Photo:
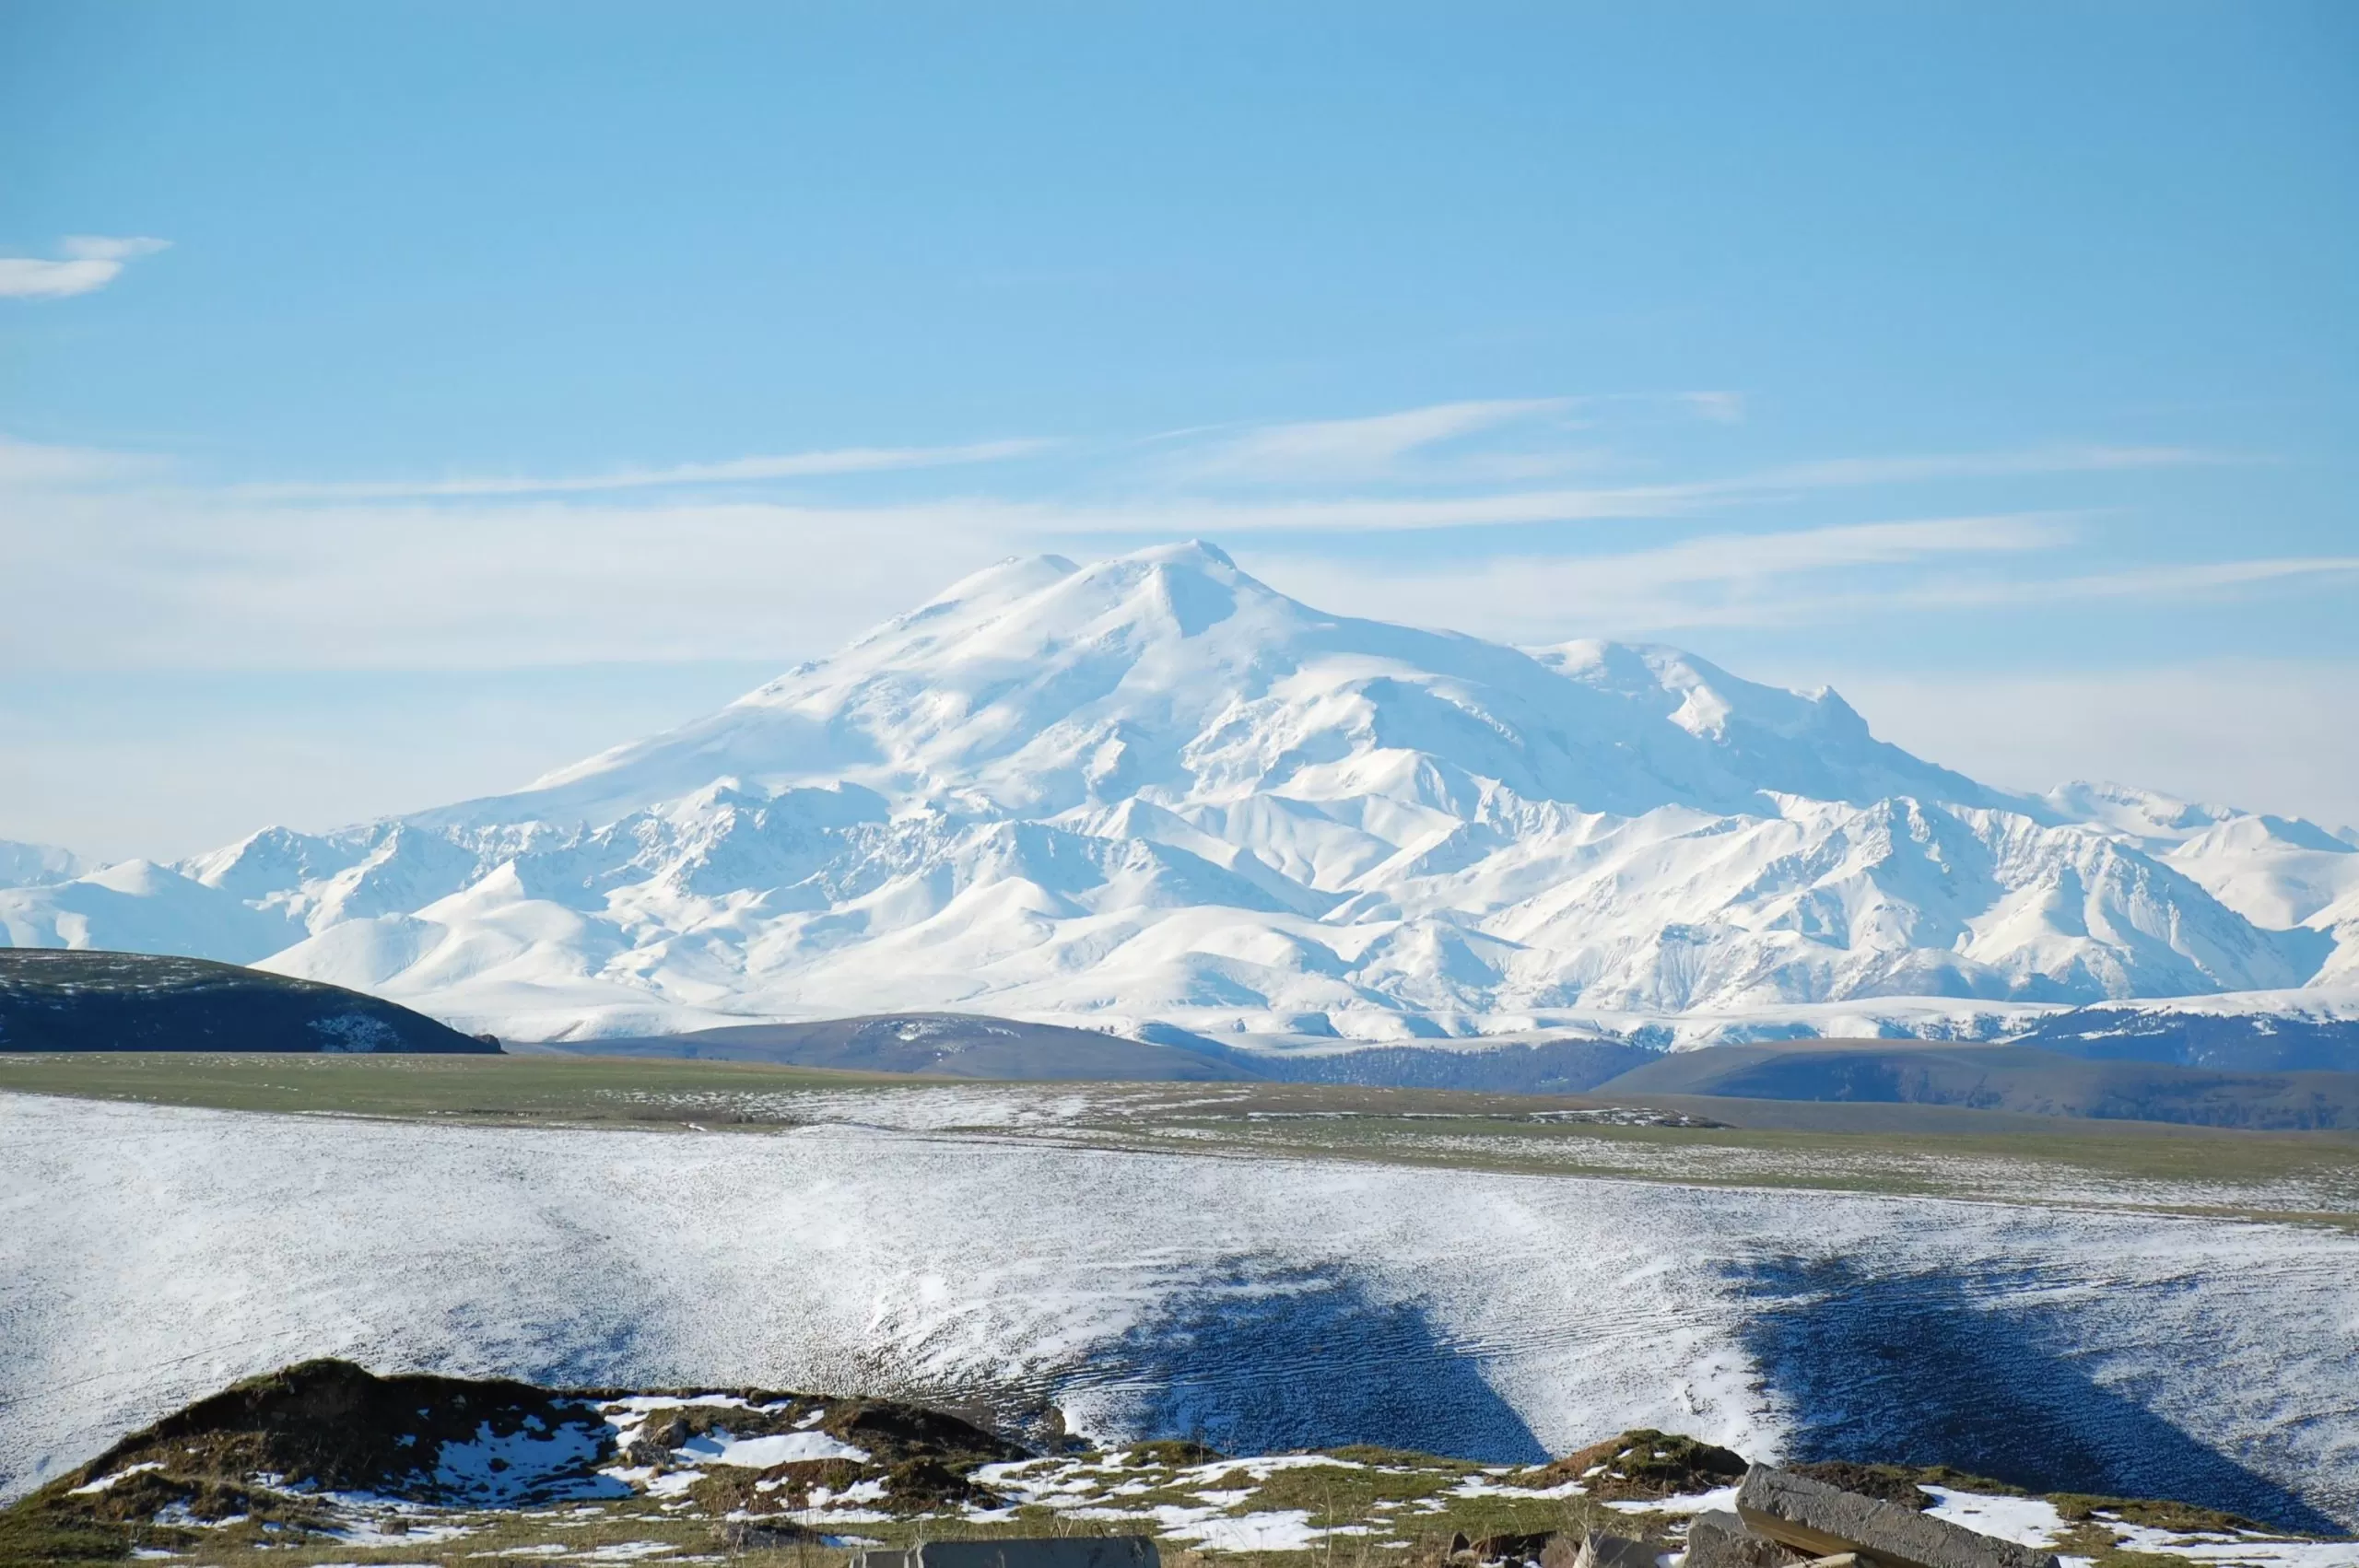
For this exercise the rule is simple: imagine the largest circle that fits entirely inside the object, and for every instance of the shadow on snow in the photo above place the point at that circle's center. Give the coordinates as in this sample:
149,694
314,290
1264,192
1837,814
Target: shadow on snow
1919,1370
1258,1364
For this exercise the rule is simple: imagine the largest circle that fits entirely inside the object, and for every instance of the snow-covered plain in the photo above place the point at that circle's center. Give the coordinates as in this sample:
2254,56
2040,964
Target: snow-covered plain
147,1255
1154,788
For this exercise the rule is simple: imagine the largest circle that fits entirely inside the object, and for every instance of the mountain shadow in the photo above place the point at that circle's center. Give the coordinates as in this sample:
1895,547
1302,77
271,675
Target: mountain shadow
1260,1365
1552,1066
1912,1371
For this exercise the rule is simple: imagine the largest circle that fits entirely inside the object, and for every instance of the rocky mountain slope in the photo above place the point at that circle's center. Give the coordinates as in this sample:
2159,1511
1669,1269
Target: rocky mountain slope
1155,789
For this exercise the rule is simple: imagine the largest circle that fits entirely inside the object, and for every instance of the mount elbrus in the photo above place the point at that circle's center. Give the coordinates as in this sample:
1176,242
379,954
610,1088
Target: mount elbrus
1157,788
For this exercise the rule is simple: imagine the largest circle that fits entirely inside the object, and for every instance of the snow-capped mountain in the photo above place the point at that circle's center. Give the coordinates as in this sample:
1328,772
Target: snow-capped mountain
1155,787
36,865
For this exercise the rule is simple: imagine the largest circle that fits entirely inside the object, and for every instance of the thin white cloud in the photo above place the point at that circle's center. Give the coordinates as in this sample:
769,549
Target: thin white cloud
1359,449
1716,578
86,262
551,582
1719,407
744,470
2175,580
634,564
1755,557
1767,580
1377,514
1492,490
30,465
103,248
141,579
1853,470
1380,514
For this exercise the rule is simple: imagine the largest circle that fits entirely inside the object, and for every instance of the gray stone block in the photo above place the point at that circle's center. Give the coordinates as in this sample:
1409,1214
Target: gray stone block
1718,1539
1040,1551
1599,1549
1825,1521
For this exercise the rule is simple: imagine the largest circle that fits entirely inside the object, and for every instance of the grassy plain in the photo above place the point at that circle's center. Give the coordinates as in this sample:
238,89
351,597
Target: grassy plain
1894,1148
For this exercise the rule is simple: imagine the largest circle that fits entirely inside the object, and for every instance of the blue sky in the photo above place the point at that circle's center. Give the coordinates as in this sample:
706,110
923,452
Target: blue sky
397,401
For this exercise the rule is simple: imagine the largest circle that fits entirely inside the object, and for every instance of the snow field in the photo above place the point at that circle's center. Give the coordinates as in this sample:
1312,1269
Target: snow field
149,1255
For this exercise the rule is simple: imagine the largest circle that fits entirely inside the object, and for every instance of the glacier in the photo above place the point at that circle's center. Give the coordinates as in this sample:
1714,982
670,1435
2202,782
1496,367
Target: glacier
1154,789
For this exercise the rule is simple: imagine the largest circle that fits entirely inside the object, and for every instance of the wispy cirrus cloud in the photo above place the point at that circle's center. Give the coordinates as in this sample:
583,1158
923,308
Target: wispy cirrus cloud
1828,472
1706,579
1779,579
84,262
736,471
31,464
1370,448
618,564
1719,407
554,581
1479,440
1378,510
1184,517
2176,579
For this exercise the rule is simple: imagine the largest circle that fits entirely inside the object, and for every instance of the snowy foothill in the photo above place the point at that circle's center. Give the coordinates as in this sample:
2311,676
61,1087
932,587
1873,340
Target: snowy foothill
149,1255
1153,787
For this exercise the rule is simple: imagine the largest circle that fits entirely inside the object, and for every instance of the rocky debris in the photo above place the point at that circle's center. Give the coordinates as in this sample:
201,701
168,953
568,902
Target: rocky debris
1717,1538
1643,1465
743,1535
1825,1521
1510,1547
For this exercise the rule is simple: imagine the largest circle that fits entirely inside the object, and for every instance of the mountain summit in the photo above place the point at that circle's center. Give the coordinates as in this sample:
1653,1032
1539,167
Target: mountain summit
1037,686
1154,787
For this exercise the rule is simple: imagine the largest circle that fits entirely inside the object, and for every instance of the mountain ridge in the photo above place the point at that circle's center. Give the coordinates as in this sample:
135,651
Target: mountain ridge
1155,787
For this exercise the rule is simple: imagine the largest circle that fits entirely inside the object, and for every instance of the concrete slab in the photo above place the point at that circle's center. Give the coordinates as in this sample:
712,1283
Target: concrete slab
1825,1521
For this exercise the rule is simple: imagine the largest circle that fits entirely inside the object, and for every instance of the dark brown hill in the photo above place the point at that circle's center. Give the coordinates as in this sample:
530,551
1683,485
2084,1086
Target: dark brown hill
2000,1078
61,1001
